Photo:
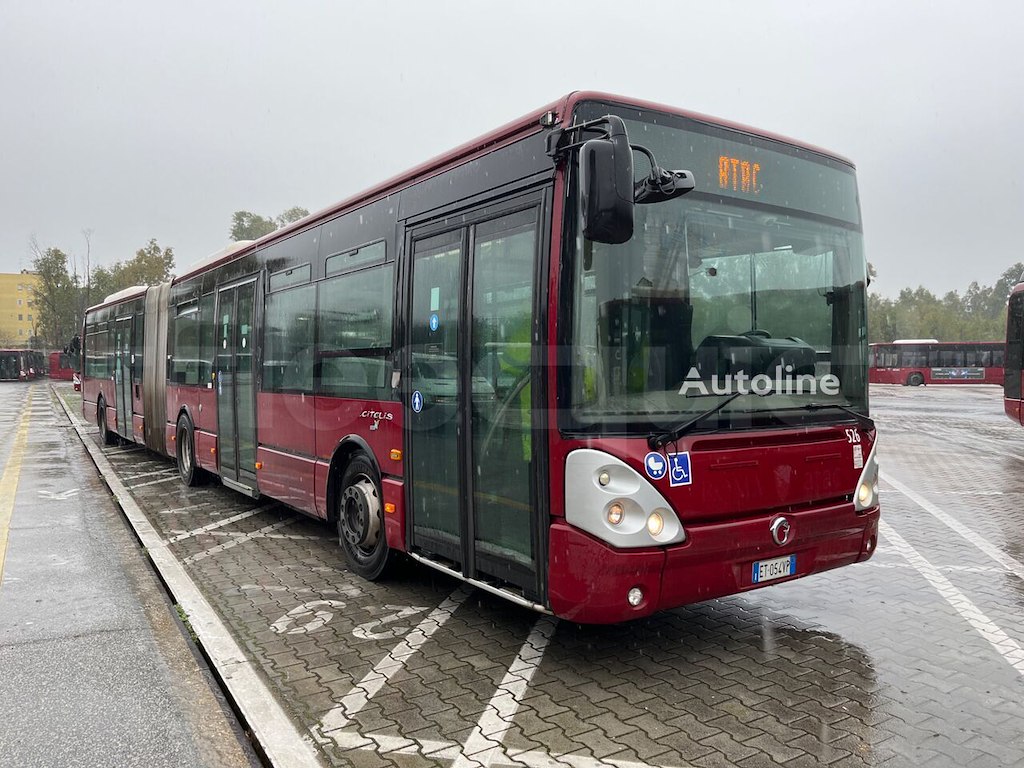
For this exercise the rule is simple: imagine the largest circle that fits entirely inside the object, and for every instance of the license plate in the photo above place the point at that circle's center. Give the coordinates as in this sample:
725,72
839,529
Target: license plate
776,568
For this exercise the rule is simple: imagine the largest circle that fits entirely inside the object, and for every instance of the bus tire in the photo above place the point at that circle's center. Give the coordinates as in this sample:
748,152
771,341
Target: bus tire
188,470
359,517
106,436
915,379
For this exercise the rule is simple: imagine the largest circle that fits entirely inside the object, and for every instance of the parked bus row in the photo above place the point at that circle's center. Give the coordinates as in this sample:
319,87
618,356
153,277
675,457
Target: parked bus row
28,364
541,363
22,364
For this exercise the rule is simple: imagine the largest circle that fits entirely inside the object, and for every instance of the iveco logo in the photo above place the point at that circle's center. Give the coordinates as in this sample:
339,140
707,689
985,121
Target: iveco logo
780,530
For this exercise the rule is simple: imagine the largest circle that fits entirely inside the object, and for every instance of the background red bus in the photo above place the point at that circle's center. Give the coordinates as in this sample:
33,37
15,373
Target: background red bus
62,366
1012,373
926,361
501,366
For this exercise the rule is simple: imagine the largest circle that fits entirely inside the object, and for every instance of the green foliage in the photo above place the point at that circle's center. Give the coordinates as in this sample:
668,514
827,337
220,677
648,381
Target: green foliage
291,215
56,298
151,265
250,226
978,315
246,225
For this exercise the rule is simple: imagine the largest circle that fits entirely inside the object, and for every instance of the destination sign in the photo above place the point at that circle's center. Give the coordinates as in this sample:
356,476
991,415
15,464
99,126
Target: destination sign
738,175
738,165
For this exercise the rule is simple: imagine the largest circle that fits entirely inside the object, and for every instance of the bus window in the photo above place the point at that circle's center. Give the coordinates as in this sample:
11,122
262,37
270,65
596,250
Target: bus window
355,333
288,340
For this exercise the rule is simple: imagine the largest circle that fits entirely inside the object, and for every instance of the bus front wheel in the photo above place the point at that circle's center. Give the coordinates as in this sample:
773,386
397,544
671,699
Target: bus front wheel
359,516
189,472
915,379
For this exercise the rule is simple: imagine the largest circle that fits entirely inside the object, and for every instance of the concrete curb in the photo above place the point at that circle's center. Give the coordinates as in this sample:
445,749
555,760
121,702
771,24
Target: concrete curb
283,744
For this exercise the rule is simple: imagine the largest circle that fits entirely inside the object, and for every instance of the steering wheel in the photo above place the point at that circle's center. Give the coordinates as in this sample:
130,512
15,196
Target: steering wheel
758,332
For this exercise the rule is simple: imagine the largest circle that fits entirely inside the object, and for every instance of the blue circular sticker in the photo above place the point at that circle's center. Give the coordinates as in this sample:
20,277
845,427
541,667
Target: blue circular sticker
435,322
417,401
655,465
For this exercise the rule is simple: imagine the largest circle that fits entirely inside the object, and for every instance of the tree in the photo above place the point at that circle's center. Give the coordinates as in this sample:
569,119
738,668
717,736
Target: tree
291,215
151,265
56,297
250,226
246,225
979,314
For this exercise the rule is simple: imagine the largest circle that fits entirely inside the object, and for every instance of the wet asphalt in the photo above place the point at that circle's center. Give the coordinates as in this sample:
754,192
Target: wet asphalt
95,670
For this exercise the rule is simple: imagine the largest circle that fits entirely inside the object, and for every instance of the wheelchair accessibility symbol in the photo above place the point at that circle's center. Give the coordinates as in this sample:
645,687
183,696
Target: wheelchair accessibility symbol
679,469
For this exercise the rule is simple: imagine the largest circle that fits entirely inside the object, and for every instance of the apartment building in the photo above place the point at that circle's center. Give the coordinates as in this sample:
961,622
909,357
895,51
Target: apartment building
17,308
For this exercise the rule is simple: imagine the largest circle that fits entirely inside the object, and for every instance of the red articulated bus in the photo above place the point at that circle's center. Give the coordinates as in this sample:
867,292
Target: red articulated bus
542,363
913,362
14,365
1012,401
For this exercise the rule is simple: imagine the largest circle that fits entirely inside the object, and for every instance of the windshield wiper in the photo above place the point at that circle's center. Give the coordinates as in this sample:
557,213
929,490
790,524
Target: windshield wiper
864,421
664,438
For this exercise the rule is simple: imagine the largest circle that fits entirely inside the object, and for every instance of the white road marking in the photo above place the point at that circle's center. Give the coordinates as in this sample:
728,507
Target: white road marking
59,495
483,746
152,482
315,611
990,549
183,510
116,451
361,693
168,472
213,526
282,536
948,568
366,631
973,493
1003,644
346,590
236,541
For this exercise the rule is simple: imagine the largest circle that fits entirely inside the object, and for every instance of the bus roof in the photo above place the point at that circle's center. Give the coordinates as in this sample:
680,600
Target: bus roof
122,295
514,130
929,341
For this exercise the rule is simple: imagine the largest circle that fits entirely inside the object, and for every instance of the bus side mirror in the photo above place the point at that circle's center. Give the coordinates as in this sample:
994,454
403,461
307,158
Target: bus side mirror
606,186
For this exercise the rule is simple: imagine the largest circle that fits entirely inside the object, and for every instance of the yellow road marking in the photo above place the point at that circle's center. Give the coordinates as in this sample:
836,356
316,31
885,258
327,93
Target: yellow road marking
9,481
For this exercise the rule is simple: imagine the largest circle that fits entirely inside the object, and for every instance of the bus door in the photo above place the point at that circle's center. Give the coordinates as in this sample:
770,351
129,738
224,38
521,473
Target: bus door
474,481
123,375
236,407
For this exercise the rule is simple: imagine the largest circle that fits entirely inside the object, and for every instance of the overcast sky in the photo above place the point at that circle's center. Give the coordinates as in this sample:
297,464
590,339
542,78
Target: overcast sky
141,120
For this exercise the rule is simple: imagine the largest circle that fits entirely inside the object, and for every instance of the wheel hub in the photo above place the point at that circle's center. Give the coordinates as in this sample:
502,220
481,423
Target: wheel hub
359,521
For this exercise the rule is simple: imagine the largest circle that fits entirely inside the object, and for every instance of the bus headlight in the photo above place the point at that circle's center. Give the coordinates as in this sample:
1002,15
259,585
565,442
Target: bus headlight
608,499
866,495
615,513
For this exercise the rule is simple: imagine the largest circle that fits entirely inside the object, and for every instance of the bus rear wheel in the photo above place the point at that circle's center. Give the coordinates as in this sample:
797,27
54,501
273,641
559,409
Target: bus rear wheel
915,379
359,516
189,472
108,437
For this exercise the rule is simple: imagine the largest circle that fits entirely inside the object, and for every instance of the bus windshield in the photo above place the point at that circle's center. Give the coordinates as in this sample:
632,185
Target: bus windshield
719,292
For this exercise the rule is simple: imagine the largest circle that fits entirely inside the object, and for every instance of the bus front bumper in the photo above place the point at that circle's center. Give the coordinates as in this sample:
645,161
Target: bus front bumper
590,581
